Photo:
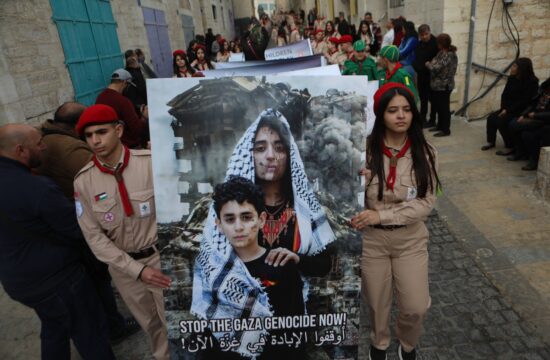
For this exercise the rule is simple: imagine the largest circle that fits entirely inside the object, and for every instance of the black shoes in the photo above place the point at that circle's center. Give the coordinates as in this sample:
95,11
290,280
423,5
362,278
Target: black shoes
505,152
442,133
516,157
403,355
531,165
377,354
487,146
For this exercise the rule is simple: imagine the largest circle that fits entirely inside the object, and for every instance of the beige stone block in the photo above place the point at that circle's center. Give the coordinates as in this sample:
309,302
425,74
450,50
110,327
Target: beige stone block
544,161
23,87
32,107
11,113
8,91
65,94
22,50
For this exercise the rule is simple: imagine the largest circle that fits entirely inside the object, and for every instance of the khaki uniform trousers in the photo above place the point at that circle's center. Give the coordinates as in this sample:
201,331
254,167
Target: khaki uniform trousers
146,303
399,257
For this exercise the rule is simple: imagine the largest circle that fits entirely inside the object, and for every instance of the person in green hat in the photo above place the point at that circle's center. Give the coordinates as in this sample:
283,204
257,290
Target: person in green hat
360,63
393,70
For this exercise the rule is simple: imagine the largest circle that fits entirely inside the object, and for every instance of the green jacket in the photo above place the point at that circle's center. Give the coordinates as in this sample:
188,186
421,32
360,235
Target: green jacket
366,67
399,75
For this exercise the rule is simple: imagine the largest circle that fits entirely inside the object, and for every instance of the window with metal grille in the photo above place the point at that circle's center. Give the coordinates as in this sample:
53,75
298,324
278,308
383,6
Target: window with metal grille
396,3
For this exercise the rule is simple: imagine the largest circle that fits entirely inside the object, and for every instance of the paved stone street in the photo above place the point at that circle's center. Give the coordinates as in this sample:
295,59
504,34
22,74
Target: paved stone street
469,318
489,258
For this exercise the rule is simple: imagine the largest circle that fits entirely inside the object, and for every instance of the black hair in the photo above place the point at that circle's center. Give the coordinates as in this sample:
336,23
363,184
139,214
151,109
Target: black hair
272,122
187,65
68,113
424,28
410,29
240,190
333,28
206,58
423,156
397,24
128,53
363,22
525,69
368,13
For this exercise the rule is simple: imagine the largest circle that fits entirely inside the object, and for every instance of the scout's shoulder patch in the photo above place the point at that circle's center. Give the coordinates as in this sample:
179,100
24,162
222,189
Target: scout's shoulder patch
144,152
78,205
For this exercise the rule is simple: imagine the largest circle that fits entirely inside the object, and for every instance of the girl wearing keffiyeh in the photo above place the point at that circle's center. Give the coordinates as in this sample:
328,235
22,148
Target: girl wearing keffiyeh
296,230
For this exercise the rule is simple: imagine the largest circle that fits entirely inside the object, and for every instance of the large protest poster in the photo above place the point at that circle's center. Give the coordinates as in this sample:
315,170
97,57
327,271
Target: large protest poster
202,130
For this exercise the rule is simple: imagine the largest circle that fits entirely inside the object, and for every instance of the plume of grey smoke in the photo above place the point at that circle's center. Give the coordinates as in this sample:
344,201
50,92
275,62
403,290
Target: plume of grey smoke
333,141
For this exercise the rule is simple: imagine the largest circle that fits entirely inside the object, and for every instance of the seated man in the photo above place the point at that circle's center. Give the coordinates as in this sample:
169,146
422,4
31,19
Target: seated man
239,205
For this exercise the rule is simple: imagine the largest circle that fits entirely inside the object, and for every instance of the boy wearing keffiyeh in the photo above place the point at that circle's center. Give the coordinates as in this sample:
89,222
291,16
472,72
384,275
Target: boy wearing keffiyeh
239,209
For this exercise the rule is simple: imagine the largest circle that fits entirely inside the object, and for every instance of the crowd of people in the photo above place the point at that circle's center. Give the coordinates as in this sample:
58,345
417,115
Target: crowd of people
60,257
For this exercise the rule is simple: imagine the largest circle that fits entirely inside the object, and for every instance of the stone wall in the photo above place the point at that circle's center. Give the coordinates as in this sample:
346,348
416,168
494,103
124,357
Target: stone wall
531,18
542,185
131,29
33,77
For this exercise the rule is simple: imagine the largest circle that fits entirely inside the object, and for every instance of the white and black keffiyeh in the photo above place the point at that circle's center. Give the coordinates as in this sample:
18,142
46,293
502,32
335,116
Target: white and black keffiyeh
222,286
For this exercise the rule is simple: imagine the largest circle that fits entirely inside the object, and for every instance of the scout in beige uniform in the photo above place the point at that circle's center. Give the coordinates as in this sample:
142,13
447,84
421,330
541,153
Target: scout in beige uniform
333,55
319,45
400,194
116,211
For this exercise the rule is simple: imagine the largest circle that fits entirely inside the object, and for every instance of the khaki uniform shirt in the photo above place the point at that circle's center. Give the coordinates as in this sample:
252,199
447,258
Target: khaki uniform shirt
319,47
109,232
401,206
338,58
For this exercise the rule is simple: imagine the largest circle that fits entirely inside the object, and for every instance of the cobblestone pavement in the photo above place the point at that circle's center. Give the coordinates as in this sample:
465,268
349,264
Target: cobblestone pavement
469,319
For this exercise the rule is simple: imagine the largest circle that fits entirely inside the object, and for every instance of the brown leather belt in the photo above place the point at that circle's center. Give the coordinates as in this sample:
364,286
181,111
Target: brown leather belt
143,253
388,227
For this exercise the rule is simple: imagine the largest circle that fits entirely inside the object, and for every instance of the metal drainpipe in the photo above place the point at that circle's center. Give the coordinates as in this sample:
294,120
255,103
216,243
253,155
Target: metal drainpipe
470,51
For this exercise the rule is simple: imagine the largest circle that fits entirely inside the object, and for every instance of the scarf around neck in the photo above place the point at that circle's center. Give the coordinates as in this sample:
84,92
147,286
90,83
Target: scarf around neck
390,181
117,173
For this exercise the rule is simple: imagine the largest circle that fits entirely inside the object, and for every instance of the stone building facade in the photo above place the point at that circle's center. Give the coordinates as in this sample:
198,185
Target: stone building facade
33,72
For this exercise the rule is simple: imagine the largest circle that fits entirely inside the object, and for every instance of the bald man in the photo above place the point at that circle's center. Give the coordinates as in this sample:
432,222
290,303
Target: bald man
41,262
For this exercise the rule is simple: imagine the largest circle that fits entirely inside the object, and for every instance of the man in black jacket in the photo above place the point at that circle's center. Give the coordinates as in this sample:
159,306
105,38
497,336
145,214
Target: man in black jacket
426,50
138,92
41,262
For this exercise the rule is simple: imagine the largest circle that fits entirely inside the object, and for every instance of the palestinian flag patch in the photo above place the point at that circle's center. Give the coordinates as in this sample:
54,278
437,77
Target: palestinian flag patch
100,197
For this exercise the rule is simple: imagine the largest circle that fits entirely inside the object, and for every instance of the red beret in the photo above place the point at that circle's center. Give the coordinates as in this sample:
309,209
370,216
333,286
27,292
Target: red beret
345,39
94,115
178,52
319,31
200,46
334,40
385,88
